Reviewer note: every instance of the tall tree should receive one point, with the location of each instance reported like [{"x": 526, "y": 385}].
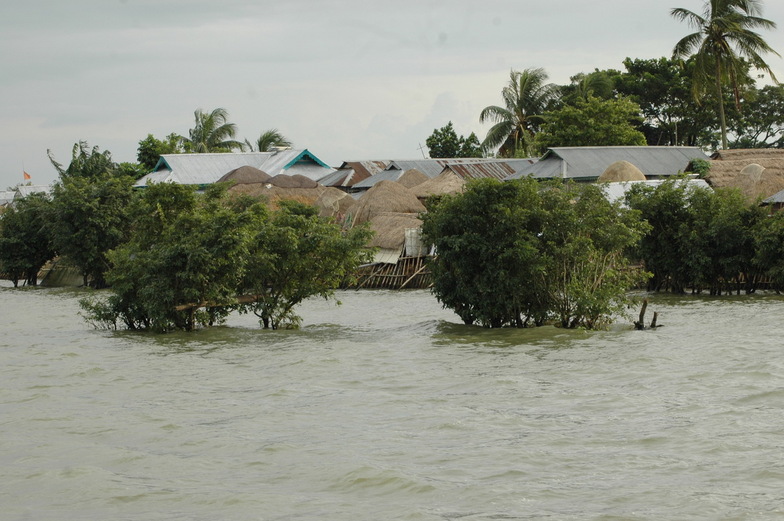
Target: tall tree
[
  {"x": 150, "y": 149},
  {"x": 25, "y": 244},
  {"x": 526, "y": 97},
  {"x": 268, "y": 140},
  {"x": 86, "y": 163},
  {"x": 444, "y": 142},
  {"x": 592, "y": 122},
  {"x": 211, "y": 133},
  {"x": 724, "y": 37}
]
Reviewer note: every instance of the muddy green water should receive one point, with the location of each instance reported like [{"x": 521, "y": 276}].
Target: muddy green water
[{"x": 387, "y": 408}]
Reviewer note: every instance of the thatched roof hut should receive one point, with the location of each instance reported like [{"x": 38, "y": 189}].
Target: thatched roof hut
[
  {"x": 756, "y": 173},
  {"x": 384, "y": 197},
  {"x": 412, "y": 178},
  {"x": 292, "y": 181},
  {"x": 272, "y": 195},
  {"x": 621, "y": 171},
  {"x": 447, "y": 182},
  {"x": 245, "y": 175},
  {"x": 333, "y": 202}
]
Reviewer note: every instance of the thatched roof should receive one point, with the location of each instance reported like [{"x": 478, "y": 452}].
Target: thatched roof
[
  {"x": 334, "y": 202},
  {"x": 383, "y": 197},
  {"x": 292, "y": 181},
  {"x": 748, "y": 153},
  {"x": 412, "y": 178},
  {"x": 390, "y": 229},
  {"x": 621, "y": 171},
  {"x": 245, "y": 175},
  {"x": 755, "y": 176},
  {"x": 271, "y": 194},
  {"x": 445, "y": 183}
]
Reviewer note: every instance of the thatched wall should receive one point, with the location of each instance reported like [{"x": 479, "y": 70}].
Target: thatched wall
[
  {"x": 385, "y": 197},
  {"x": 621, "y": 171}
]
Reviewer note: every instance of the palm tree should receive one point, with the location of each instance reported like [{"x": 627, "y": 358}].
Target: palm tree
[
  {"x": 268, "y": 140},
  {"x": 526, "y": 97},
  {"x": 211, "y": 133},
  {"x": 724, "y": 40}
]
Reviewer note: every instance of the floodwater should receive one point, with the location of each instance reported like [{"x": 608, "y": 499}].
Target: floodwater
[{"x": 388, "y": 408}]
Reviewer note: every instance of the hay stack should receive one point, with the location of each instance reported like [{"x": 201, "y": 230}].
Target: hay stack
[
  {"x": 246, "y": 175},
  {"x": 390, "y": 229},
  {"x": 621, "y": 171},
  {"x": 334, "y": 203},
  {"x": 445, "y": 183},
  {"x": 384, "y": 197},
  {"x": 412, "y": 178}
]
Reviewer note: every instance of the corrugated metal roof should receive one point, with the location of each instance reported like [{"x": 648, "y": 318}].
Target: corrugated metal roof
[
  {"x": 591, "y": 162},
  {"x": 483, "y": 169},
  {"x": 352, "y": 172},
  {"x": 204, "y": 169},
  {"x": 25, "y": 190},
  {"x": 776, "y": 198},
  {"x": 6, "y": 197}
]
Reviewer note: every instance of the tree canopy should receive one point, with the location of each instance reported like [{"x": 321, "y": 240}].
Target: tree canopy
[
  {"x": 724, "y": 35},
  {"x": 556, "y": 252},
  {"x": 211, "y": 132},
  {"x": 444, "y": 142}
]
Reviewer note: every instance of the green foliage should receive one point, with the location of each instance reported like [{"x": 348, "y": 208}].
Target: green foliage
[
  {"x": 761, "y": 123},
  {"x": 592, "y": 122},
  {"x": 151, "y": 149},
  {"x": 268, "y": 140},
  {"x": 86, "y": 163},
  {"x": 700, "y": 166},
  {"x": 768, "y": 259},
  {"x": 663, "y": 89},
  {"x": 185, "y": 250},
  {"x": 546, "y": 253},
  {"x": 297, "y": 255},
  {"x": 211, "y": 133},
  {"x": 699, "y": 239},
  {"x": 25, "y": 244},
  {"x": 723, "y": 37},
  {"x": 89, "y": 218},
  {"x": 191, "y": 259},
  {"x": 526, "y": 98},
  {"x": 444, "y": 142}
]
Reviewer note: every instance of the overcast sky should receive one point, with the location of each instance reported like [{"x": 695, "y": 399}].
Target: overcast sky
[{"x": 347, "y": 79}]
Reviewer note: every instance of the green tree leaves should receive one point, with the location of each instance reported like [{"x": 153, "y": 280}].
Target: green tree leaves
[
  {"x": 193, "y": 258},
  {"x": 552, "y": 253},
  {"x": 444, "y": 142}
]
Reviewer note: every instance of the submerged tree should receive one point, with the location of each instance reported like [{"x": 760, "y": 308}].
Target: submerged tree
[
  {"x": 193, "y": 258},
  {"x": 724, "y": 36},
  {"x": 554, "y": 252},
  {"x": 297, "y": 255},
  {"x": 25, "y": 244}
]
